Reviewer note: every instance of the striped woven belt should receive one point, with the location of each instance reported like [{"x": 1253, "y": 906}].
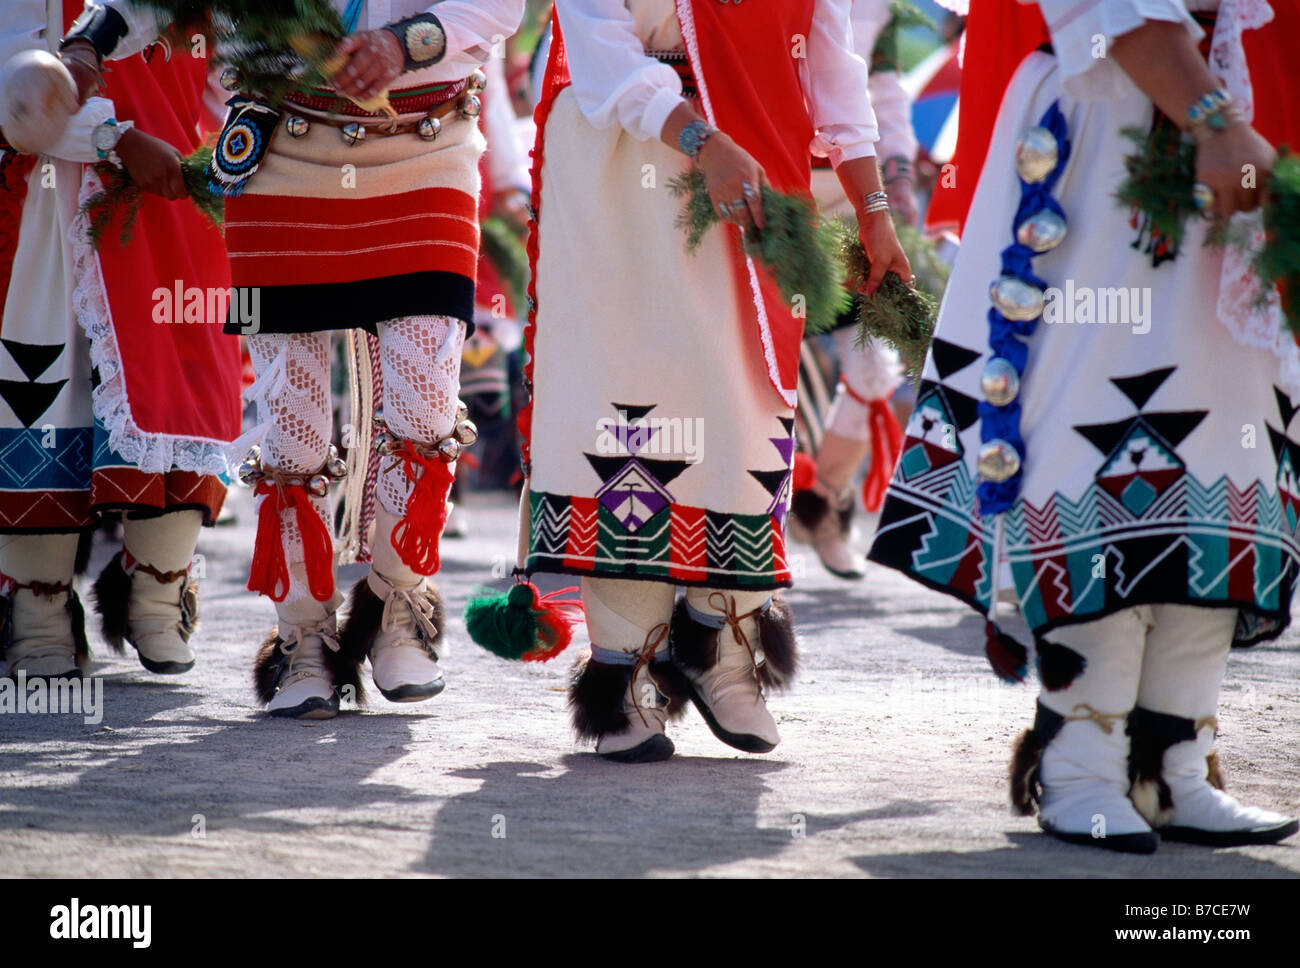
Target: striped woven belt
[
  {"x": 413, "y": 100},
  {"x": 678, "y": 61}
]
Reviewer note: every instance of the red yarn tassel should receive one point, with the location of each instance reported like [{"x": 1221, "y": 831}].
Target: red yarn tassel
[
  {"x": 556, "y": 620},
  {"x": 886, "y": 445},
  {"x": 415, "y": 537},
  {"x": 269, "y": 573}
]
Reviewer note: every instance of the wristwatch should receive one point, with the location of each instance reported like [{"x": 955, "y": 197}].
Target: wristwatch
[{"x": 105, "y": 138}]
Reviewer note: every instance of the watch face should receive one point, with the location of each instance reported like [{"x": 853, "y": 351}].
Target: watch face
[{"x": 105, "y": 136}]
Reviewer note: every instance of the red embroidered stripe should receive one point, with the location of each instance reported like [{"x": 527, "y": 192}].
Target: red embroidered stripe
[
  {"x": 583, "y": 530},
  {"x": 278, "y": 240},
  {"x": 689, "y": 544}
]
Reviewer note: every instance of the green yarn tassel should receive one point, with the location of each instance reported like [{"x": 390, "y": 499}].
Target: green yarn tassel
[{"x": 522, "y": 624}]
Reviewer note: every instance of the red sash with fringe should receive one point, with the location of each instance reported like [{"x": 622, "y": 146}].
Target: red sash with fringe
[{"x": 182, "y": 375}]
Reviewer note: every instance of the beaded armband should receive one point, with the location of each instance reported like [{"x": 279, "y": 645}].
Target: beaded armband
[
  {"x": 102, "y": 27},
  {"x": 422, "y": 38}
]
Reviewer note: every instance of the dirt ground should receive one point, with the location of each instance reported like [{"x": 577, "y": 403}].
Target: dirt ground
[{"x": 892, "y": 764}]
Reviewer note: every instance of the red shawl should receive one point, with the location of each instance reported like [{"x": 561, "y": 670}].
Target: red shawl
[{"x": 182, "y": 378}]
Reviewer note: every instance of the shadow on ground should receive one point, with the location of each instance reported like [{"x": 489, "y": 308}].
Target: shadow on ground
[
  {"x": 1038, "y": 855},
  {"x": 130, "y": 774},
  {"x": 687, "y": 814}
]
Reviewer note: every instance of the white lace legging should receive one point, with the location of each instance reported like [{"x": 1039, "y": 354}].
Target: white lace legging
[{"x": 420, "y": 360}]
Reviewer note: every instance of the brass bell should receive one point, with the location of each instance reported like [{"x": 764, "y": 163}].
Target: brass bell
[
  {"x": 354, "y": 133},
  {"x": 469, "y": 107},
  {"x": 476, "y": 81},
  {"x": 337, "y": 468},
  {"x": 1000, "y": 383},
  {"x": 319, "y": 485},
  {"x": 1015, "y": 299},
  {"x": 429, "y": 128},
  {"x": 1042, "y": 231},
  {"x": 297, "y": 127},
  {"x": 1036, "y": 154},
  {"x": 449, "y": 449},
  {"x": 466, "y": 432},
  {"x": 998, "y": 461},
  {"x": 230, "y": 79},
  {"x": 249, "y": 471}
]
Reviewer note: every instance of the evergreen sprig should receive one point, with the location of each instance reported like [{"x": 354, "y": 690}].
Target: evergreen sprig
[
  {"x": 794, "y": 244},
  {"x": 277, "y": 46},
  {"x": 121, "y": 195},
  {"x": 1159, "y": 179},
  {"x": 896, "y": 314},
  {"x": 1278, "y": 263}
]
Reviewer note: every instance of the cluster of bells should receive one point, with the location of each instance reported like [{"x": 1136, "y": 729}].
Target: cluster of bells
[
  {"x": 250, "y": 472},
  {"x": 469, "y": 107},
  {"x": 1017, "y": 300},
  {"x": 449, "y": 448}
]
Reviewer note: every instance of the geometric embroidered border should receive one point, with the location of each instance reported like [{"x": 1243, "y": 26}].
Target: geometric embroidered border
[
  {"x": 685, "y": 545},
  {"x": 1072, "y": 561}
]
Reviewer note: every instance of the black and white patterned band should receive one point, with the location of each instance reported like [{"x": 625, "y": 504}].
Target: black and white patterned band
[
  {"x": 423, "y": 40},
  {"x": 103, "y": 27}
]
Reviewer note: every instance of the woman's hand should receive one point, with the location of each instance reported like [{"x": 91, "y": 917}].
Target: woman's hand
[
  {"x": 735, "y": 181},
  {"x": 1223, "y": 160},
  {"x": 876, "y": 232},
  {"x": 153, "y": 164},
  {"x": 375, "y": 59}
]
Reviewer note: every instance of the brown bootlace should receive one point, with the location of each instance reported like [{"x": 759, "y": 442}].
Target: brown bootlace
[
  {"x": 645, "y": 660},
  {"x": 728, "y": 610},
  {"x": 132, "y": 564},
  {"x": 45, "y": 589},
  {"x": 1105, "y": 720}
]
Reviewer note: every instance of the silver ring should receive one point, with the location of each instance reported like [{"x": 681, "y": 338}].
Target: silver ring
[
  {"x": 749, "y": 189},
  {"x": 1203, "y": 196}
]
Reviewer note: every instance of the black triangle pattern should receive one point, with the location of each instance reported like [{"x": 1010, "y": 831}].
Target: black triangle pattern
[
  {"x": 634, "y": 411},
  {"x": 29, "y": 400},
  {"x": 1284, "y": 407},
  {"x": 1105, "y": 437},
  {"x": 663, "y": 471},
  {"x": 949, "y": 357},
  {"x": 33, "y": 358},
  {"x": 1140, "y": 388},
  {"x": 771, "y": 480}
]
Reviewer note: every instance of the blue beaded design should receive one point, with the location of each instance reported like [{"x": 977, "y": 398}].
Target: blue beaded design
[{"x": 1005, "y": 335}]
